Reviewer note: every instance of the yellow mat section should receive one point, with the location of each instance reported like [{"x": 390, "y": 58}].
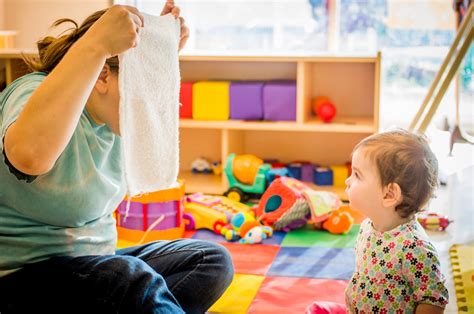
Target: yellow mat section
[
  {"x": 462, "y": 263},
  {"x": 240, "y": 294}
]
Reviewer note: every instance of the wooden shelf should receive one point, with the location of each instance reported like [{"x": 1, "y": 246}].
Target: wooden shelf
[
  {"x": 342, "y": 125},
  {"x": 205, "y": 183},
  {"x": 339, "y": 125}
]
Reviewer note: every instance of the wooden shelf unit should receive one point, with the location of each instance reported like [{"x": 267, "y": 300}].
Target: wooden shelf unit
[{"x": 351, "y": 82}]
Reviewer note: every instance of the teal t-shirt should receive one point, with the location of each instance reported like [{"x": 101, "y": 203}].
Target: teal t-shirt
[{"x": 67, "y": 211}]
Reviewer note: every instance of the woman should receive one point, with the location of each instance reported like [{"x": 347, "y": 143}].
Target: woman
[{"x": 60, "y": 181}]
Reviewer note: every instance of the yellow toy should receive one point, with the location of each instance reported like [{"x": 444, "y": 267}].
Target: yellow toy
[{"x": 210, "y": 212}]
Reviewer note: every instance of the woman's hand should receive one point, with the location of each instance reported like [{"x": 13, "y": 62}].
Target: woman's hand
[
  {"x": 116, "y": 31},
  {"x": 171, "y": 8}
]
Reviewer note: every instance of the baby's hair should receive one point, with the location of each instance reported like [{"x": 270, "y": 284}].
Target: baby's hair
[
  {"x": 52, "y": 49},
  {"x": 404, "y": 158}
]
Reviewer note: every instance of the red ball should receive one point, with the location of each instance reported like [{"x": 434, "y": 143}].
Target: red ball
[{"x": 326, "y": 111}]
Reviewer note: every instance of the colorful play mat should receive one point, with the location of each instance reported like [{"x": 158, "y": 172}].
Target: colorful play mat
[{"x": 286, "y": 272}]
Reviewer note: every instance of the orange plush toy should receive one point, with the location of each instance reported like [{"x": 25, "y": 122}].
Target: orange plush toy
[{"x": 339, "y": 222}]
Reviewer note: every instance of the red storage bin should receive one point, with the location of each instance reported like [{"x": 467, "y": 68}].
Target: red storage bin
[{"x": 186, "y": 100}]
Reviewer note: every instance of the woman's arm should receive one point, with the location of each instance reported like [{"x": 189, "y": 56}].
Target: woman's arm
[
  {"x": 428, "y": 309},
  {"x": 37, "y": 138}
]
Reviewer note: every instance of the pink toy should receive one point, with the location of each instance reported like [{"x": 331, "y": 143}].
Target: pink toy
[{"x": 322, "y": 307}]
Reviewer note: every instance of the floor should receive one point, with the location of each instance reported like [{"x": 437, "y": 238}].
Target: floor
[{"x": 455, "y": 200}]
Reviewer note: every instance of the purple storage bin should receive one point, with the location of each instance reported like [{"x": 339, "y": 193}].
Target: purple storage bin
[
  {"x": 307, "y": 172},
  {"x": 246, "y": 100},
  {"x": 154, "y": 211},
  {"x": 279, "y": 101}
]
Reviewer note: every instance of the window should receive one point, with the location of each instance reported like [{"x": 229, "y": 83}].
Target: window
[{"x": 413, "y": 35}]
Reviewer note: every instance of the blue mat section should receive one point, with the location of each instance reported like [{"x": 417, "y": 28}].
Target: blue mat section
[
  {"x": 204, "y": 234},
  {"x": 314, "y": 262}
]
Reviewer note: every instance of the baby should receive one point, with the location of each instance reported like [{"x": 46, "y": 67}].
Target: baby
[{"x": 394, "y": 174}]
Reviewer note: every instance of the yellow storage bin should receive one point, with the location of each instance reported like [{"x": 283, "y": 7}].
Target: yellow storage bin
[
  {"x": 340, "y": 174},
  {"x": 211, "y": 100}
]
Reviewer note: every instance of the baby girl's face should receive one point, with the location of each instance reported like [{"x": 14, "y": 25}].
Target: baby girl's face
[{"x": 364, "y": 188}]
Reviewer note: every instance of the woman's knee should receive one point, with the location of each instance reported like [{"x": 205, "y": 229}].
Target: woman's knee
[
  {"x": 220, "y": 260},
  {"x": 122, "y": 274}
]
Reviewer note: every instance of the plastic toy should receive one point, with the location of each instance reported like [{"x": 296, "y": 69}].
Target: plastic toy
[
  {"x": 339, "y": 222},
  {"x": 217, "y": 168},
  {"x": 243, "y": 226},
  {"x": 233, "y": 220},
  {"x": 327, "y": 112},
  {"x": 324, "y": 108},
  {"x": 246, "y": 175},
  {"x": 154, "y": 216},
  {"x": 317, "y": 101},
  {"x": 433, "y": 221},
  {"x": 233, "y": 230},
  {"x": 210, "y": 212},
  {"x": 201, "y": 165},
  {"x": 256, "y": 234},
  {"x": 275, "y": 163},
  {"x": 276, "y": 173}
]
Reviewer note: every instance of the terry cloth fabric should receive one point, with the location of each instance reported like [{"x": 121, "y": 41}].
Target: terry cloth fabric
[{"x": 149, "y": 106}]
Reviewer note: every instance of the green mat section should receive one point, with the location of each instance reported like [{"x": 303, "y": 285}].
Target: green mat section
[{"x": 307, "y": 237}]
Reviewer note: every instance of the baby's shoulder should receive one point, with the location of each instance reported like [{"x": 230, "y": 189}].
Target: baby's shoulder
[{"x": 414, "y": 240}]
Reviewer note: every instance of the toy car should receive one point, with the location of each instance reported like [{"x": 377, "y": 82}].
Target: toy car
[
  {"x": 433, "y": 221},
  {"x": 201, "y": 165}
]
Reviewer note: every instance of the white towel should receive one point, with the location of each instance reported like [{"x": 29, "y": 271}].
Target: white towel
[{"x": 149, "y": 107}]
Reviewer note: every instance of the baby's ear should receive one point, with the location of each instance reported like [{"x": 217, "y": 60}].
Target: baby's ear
[{"x": 392, "y": 195}]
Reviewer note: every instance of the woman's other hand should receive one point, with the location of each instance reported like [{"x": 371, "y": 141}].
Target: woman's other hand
[{"x": 174, "y": 10}]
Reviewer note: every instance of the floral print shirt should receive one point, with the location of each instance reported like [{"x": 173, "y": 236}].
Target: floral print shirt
[{"x": 395, "y": 271}]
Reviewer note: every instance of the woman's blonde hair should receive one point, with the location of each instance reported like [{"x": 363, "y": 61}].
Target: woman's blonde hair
[
  {"x": 52, "y": 49},
  {"x": 404, "y": 158}
]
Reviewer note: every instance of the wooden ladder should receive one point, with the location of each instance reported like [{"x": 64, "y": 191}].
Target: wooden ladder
[{"x": 444, "y": 76}]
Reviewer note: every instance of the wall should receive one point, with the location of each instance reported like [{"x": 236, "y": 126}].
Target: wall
[
  {"x": 32, "y": 18},
  {"x": 2, "y": 10}
]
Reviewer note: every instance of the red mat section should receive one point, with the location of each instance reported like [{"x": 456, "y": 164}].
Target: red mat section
[
  {"x": 293, "y": 295},
  {"x": 252, "y": 259}
]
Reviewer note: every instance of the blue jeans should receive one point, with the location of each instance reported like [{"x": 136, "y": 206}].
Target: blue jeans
[{"x": 159, "y": 277}]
